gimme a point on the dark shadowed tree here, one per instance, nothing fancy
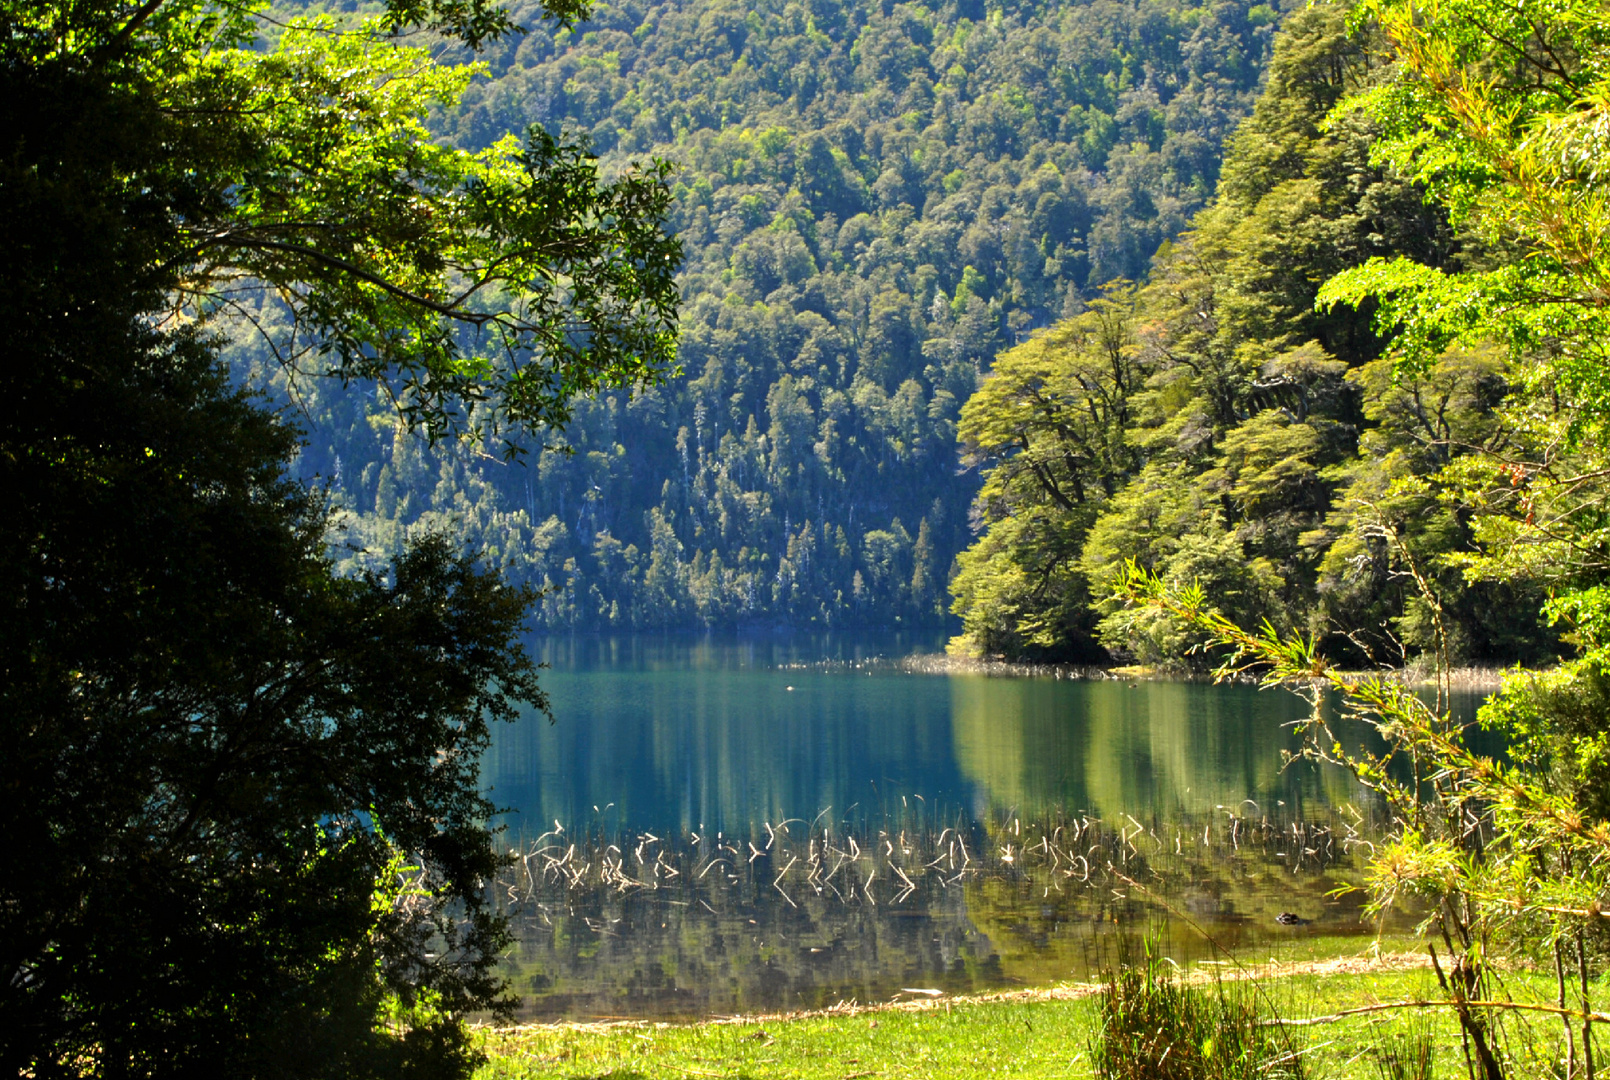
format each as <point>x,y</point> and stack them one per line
<point>244,828</point>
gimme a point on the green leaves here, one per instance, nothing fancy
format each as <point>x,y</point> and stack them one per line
<point>1268,444</point>
<point>484,290</point>
<point>1423,309</point>
<point>1493,851</point>
<point>1498,110</point>
<point>215,745</point>
<point>1050,422</point>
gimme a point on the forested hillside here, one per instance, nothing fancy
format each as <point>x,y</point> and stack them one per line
<point>1216,428</point>
<point>874,199</point>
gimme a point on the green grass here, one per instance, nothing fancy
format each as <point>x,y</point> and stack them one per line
<point>964,1040</point>
<point>1015,1038</point>
<point>1156,1026</point>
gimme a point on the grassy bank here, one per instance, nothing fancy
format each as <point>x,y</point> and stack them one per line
<point>1043,1033</point>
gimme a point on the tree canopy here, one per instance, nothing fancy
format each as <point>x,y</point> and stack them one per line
<point>874,201</point>
<point>245,833</point>
<point>1265,442</point>
<point>1489,408</point>
<point>304,172</point>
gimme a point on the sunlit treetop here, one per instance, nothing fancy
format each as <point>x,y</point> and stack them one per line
<point>481,290</point>
<point>1501,109</point>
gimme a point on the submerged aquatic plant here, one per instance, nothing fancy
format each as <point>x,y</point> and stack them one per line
<point>616,922</point>
<point>900,856</point>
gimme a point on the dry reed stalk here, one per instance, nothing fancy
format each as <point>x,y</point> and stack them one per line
<point>1044,854</point>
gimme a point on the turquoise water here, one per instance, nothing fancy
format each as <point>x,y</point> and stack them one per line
<point>722,825</point>
<point>677,733</point>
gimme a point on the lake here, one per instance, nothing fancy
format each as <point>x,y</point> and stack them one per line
<point>722,825</point>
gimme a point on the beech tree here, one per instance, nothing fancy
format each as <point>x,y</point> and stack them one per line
<point>245,834</point>
<point>1499,110</point>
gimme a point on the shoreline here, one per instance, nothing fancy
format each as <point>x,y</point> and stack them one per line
<point>1470,679</point>
<point>1362,1003</point>
<point>922,1000</point>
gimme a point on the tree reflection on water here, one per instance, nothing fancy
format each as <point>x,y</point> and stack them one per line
<point>673,889</point>
<point>806,915</point>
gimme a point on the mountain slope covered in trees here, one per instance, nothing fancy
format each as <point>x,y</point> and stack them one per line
<point>874,200</point>
<point>1216,428</point>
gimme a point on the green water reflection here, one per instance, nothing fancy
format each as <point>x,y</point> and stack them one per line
<point>656,883</point>
<point>1147,748</point>
<point>679,734</point>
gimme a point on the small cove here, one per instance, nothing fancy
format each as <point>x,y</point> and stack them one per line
<point>723,825</point>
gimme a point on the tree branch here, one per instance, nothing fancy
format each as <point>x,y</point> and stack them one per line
<point>138,19</point>
<point>1591,1017</point>
<point>338,263</point>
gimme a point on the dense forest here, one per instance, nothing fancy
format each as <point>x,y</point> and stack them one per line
<point>905,227</point>
<point>1216,428</point>
<point>1344,399</point>
<point>873,201</point>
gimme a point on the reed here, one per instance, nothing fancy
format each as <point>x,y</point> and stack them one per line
<point>1407,1055</point>
<point>913,852</point>
<point>1151,1026</point>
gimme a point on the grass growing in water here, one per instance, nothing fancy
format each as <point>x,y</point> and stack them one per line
<point>1151,1026</point>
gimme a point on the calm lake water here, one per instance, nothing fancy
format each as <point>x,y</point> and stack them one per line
<point>719,825</point>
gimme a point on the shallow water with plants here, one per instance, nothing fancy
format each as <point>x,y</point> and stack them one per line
<point>719,826</point>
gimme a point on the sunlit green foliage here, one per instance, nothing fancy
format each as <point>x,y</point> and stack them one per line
<point>1497,110</point>
<point>874,201</point>
<point>1519,107</point>
<point>1498,854</point>
<point>315,183</point>
<point>1264,434</point>
<point>244,831</point>
<point>1048,426</point>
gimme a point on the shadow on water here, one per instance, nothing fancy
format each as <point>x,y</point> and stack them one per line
<point>721,826</point>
